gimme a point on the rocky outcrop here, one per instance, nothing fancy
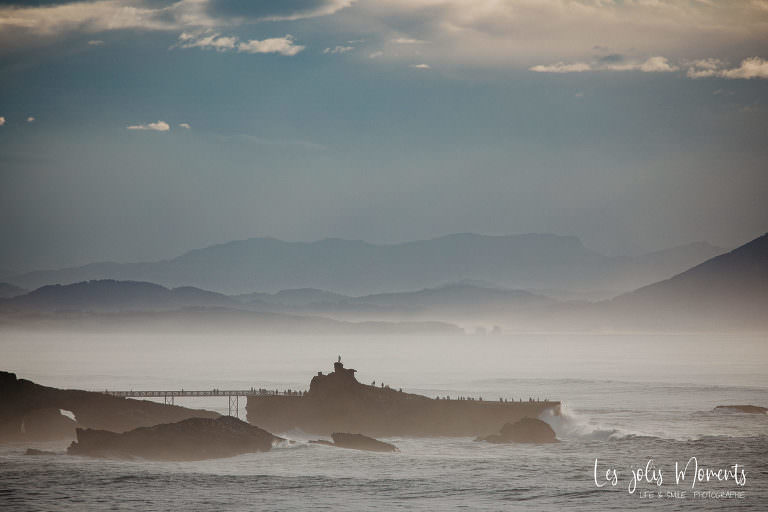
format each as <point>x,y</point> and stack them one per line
<point>44,424</point>
<point>527,430</point>
<point>191,439</point>
<point>30,412</point>
<point>749,409</point>
<point>358,442</point>
<point>337,402</point>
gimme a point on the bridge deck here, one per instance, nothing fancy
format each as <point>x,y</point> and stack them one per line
<point>210,392</point>
<point>234,395</point>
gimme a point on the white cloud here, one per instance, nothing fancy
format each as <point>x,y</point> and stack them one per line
<point>650,65</point>
<point>185,126</point>
<point>338,49</point>
<point>420,66</point>
<point>562,67</point>
<point>31,119</point>
<point>408,40</point>
<point>211,41</point>
<point>753,67</point>
<point>160,126</point>
<point>282,45</point>
<point>657,65</point>
<point>214,41</point>
<point>703,68</point>
<point>375,55</point>
<point>2,120</point>
<point>95,42</point>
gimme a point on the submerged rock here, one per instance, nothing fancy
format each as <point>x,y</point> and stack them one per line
<point>191,439</point>
<point>527,430</point>
<point>749,409</point>
<point>358,442</point>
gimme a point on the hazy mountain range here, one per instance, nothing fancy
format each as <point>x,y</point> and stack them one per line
<point>8,290</point>
<point>729,291</point>
<point>531,261</point>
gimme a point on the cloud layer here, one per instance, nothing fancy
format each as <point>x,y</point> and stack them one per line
<point>753,67</point>
<point>548,36</point>
<point>612,62</point>
<point>214,41</point>
<point>104,15</point>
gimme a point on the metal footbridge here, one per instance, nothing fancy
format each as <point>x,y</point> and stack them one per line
<point>233,395</point>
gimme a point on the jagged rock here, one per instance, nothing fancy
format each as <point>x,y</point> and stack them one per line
<point>749,409</point>
<point>527,430</point>
<point>31,412</point>
<point>191,439</point>
<point>44,424</point>
<point>358,442</point>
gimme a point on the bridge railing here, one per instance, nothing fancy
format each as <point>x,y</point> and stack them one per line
<point>234,395</point>
<point>210,392</point>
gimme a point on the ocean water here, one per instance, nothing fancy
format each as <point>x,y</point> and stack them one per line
<point>627,399</point>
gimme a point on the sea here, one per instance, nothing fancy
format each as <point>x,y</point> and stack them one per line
<point>638,428</point>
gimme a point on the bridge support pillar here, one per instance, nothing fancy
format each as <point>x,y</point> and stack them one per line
<point>234,403</point>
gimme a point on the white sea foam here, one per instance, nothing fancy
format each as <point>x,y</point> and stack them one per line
<point>569,425</point>
<point>68,414</point>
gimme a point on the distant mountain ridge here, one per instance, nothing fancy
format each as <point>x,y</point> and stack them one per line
<point>140,305</point>
<point>115,296</point>
<point>354,267</point>
<point>8,290</point>
<point>727,292</point>
<point>730,290</point>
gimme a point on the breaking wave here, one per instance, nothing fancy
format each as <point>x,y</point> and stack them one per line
<point>569,425</point>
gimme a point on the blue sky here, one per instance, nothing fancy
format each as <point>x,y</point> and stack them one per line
<point>136,130</point>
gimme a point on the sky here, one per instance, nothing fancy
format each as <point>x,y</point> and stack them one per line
<point>135,130</point>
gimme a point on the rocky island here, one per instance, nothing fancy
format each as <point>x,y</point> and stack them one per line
<point>527,430</point>
<point>358,442</point>
<point>337,402</point>
<point>191,439</point>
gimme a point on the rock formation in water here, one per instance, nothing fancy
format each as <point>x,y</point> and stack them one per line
<point>527,430</point>
<point>749,409</point>
<point>191,439</point>
<point>35,452</point>
<point>30,412</point>
<point>337,402</point>
<point>358,442</point>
